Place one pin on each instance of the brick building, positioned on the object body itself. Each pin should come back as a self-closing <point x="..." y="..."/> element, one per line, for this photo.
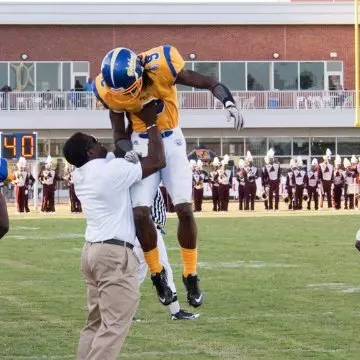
<point x="287" y="63"/>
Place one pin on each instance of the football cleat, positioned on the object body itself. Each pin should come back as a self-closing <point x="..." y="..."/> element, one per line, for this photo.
<point x="164" y="293"/>
<point x="122" y="71"/>
<point x="194" y="295"/>
<point x="184" y="315"/>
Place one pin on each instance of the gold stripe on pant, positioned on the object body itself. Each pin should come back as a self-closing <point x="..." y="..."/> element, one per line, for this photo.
<point x="111" y="276"/>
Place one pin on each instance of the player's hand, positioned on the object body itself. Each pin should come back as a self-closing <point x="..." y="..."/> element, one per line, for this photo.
<point x="232" y="113"/>
<point x="132" y="156"/>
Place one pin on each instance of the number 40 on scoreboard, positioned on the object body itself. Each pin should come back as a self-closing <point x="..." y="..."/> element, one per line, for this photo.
<point x="16" y="145"/>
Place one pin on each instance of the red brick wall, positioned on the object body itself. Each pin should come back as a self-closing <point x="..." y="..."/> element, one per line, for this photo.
<point x="208" y="42"/>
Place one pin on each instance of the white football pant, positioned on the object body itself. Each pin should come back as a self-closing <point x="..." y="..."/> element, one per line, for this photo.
<point x="176" y="176"/>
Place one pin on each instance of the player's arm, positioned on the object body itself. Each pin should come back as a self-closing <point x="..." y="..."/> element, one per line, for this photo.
<point x="4" y="218"/>
<point x="155" y="160"/>
<point x="121" y="135"/>
<point x="219" y="90"/>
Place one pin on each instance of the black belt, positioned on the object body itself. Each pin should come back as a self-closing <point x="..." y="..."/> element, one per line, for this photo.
<point x="116" y="242"/>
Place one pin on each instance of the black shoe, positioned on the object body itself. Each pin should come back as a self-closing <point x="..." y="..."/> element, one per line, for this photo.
<point x="184" y="315"/>
<point x="194" y="295"/>
<point x="164" y="293"/>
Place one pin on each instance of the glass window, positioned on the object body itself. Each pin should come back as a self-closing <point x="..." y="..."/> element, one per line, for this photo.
<point x="348" y="146"/>
<point x="301" y="146"/>
<point x="48" y="76"/>
<point x="22" y="76"/>
<point x="256" y="145"/>
<point x="211" y="144"/>
<point x="258" y="75"/>
<point x="3" y="74"/>
<point x="188" y="66"/>
<point x="320" y="144"/>
<point x="281" y="145"/>
<point x="43" y="147"/>
<point x="311" y="76"/>
<point x="66" y="85"/>
<point x="56" y="147"/>
<point x="233" y="75"/>
<point x="286" y="75"/>
<point x="191" y="144"/>
<point x="334" y="65"/>
<point x="207" y="68"/>
<point x="233" y="146"/>
<point x="81" y="66"/>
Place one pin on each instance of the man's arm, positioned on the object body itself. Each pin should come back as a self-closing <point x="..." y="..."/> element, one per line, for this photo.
<point x="219" y="90"/>
<point x="155" y="160"/>
<point x="4" y="218"/>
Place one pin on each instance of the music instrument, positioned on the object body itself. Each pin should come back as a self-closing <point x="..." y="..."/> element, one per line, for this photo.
<point x="265" y="194"/>
<point x="305" y="195"/>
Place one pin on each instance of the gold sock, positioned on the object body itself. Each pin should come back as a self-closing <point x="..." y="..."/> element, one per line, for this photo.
<point x="189" y="257"/>
<point x="152" y="259"/>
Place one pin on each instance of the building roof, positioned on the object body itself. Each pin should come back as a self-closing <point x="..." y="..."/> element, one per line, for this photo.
<point x="187" y="12"/>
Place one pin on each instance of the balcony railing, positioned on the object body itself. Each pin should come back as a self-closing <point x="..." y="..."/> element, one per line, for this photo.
<point x="247" y="100"/>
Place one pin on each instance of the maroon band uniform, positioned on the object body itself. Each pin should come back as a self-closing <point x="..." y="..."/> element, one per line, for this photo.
<point x="272" y="171"/>
<point x="313" y="181"/>
<point x="350" y="181"/>
<point x="240" y="177"/>
<point x="198" y="179"/>
<point x="251" y="174"/>
<point x="326" y="172"/>
<point x="214" y="181"/>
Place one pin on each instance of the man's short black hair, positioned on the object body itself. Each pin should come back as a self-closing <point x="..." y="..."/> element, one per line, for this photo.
<point x="75" y="150"/>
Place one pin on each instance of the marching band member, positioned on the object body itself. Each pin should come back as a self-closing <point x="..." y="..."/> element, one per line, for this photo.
<point x="240" y="177"/>
<point x="251" y="174"/>
<point x="357" y="195"/>
<point x="47" y="178"/>
<point x="199" y="177"/>
<point x="338" y="180"/>
<point x="299" y="180"/>
<point x="214" y="180"/>
<point x="272" y="171"/>
<point x="313" y="185"/>
<point x="350" y="182"/>
<point x="29" y="183"/>
<point x="225" y="182"/>
<point x="326" y="177"/>
<point x="20" y="185"/>
<point x="265" y="183"/>
<point x="290" y="185"/>
<point x="75" y="204"/>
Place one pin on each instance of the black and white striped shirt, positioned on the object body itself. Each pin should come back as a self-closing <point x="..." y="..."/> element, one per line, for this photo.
<point x="158" y="210"/>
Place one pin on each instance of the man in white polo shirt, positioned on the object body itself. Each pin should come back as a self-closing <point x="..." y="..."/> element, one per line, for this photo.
<point x="109" y="265"/>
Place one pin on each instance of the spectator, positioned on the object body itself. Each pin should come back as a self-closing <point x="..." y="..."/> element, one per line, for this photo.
<point x="89" y="95"/>
<point x="4" y="97"/>
<point x="78" y="86"/>
<point x="88" y="85"/>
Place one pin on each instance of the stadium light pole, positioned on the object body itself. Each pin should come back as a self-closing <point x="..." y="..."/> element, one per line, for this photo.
<point x="357" y="63"/>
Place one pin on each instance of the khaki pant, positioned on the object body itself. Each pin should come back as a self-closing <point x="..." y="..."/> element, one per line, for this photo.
<point x="111" y="276"/>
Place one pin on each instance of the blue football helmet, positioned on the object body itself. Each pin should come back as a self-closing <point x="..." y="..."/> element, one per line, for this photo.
<point x="122" y="71"/>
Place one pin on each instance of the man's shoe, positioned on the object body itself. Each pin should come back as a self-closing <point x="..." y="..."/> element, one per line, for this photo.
<point x="164" y="293"/>
<point x="194" y="295"/>
<point x="184" y="315"/>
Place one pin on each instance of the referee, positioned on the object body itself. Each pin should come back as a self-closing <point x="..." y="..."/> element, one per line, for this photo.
<point x="109" y="264"/>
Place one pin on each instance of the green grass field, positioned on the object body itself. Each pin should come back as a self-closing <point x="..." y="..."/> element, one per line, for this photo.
<point x="276" y="288"/>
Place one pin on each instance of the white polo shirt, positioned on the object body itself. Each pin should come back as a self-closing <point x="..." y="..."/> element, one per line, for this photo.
<point x="102" y="186"/>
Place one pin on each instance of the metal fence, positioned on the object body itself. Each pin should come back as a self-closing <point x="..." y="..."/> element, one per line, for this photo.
<point x="54" y="101"/>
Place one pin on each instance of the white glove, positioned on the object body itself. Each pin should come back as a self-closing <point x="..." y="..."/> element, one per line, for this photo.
<point x="132" y="156"/>
<point x="232" y="113"/>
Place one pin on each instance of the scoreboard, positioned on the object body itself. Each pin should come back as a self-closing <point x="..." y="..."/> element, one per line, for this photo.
<point x="16" y="145"/>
